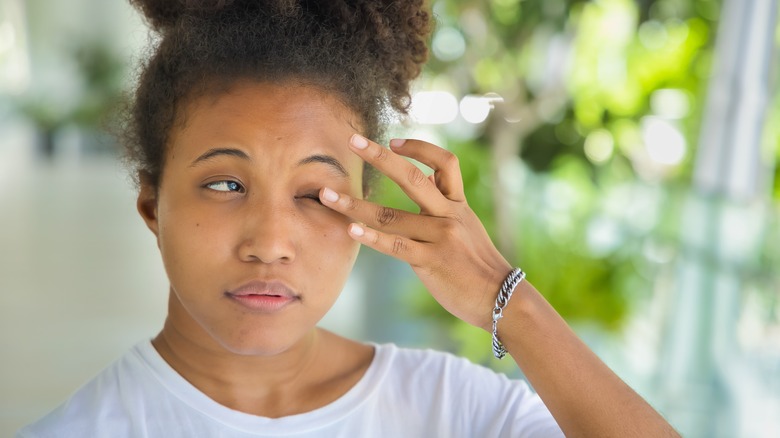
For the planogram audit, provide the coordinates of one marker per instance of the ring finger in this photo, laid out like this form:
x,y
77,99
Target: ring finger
x,y
390,220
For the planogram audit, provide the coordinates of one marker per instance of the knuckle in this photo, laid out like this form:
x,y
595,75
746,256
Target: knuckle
x,y
455,219
386,216
380,154
416,177
452,227
350,204
451,160
399,246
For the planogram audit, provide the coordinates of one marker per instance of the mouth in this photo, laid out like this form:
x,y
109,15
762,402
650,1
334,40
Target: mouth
x,y
264,297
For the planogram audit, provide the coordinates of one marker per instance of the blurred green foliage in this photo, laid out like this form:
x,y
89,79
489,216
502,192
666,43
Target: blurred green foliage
x,y
560,172
100,74
98,80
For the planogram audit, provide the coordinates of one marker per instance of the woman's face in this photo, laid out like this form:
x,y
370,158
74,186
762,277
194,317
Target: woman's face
x,y
254,260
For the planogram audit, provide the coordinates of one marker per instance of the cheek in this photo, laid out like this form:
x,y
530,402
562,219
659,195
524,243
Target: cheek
x,y
191,235
339,240
331,263
335,247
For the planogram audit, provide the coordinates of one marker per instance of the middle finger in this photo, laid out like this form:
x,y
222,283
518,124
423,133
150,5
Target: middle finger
x,y
409,177
390,220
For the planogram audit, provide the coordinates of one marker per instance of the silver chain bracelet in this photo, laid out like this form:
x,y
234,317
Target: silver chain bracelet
x,y
512,280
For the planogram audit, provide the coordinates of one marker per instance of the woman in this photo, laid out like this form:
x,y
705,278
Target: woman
x,y
253,135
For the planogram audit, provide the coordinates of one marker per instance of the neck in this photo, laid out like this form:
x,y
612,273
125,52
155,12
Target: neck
x,y
270,386
217,363
315,370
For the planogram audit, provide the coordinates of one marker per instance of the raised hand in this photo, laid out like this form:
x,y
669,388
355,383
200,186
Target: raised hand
x,y
452,254
445,243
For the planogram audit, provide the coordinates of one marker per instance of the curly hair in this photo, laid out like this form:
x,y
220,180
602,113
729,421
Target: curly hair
x,y
364,52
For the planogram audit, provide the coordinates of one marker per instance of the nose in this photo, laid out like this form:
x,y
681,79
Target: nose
x,y
268,235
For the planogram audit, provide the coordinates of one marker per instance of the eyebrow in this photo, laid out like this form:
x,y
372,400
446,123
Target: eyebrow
x,y
326,159
317,158
211,153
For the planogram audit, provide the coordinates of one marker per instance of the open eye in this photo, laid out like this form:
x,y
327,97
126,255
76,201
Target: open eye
x,y
225,186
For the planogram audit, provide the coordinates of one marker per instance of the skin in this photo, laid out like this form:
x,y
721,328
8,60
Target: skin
x,y
238,202
450,251
263,362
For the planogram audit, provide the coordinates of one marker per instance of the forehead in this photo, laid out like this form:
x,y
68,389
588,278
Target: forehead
x,y
254,114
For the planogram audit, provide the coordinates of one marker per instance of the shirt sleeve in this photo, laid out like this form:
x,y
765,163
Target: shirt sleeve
x,y
496,405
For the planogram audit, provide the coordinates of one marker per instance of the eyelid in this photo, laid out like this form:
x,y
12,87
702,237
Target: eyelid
x,y
227,182
315,196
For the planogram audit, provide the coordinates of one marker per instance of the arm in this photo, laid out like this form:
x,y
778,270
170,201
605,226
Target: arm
x,y
583,394
450,251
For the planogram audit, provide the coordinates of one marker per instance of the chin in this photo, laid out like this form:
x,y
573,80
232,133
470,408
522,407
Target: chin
x,y
261,343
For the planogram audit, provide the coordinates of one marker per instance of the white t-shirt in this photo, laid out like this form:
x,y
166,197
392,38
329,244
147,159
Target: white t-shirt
x,y
404,393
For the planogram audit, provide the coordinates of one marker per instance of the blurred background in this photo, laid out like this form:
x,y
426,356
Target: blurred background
x,y
624,153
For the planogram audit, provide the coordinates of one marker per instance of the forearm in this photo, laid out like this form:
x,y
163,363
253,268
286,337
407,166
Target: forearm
x,y
583,394
452,254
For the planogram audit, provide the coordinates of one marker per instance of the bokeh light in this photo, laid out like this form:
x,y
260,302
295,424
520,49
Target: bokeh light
x,y
664,142
448,44
434,107
599,146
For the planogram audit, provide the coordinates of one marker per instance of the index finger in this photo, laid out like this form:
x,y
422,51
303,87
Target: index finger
x,y
445,164
409,177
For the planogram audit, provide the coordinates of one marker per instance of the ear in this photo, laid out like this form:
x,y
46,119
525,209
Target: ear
x,y
147,203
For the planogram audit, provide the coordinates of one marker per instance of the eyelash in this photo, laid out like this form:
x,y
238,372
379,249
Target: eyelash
x,y
240,189
315,197
227,183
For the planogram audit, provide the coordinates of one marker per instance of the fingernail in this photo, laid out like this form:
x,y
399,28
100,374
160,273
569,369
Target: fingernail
x,y
359,141
397,142
357,230
329,195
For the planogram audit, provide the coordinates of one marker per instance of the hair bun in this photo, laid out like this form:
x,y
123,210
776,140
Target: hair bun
x,y
164,14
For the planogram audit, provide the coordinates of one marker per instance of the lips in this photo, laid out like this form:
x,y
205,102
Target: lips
x,y
262,296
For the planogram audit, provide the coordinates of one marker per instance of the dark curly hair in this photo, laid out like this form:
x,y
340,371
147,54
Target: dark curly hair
x,y
365,52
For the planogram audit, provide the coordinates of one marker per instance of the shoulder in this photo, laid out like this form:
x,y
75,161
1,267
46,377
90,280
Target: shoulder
x,y
463,396
412,361
98,405
442,371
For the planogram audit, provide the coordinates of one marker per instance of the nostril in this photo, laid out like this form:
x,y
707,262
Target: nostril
x,y
273,249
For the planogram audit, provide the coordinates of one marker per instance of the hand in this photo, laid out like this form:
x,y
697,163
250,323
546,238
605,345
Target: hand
x,y
446,244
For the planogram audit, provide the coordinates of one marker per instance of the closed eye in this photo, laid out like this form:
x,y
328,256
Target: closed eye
x,y
225,186
313,196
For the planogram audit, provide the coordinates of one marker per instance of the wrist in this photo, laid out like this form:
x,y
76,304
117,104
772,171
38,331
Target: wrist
x,y
508,287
